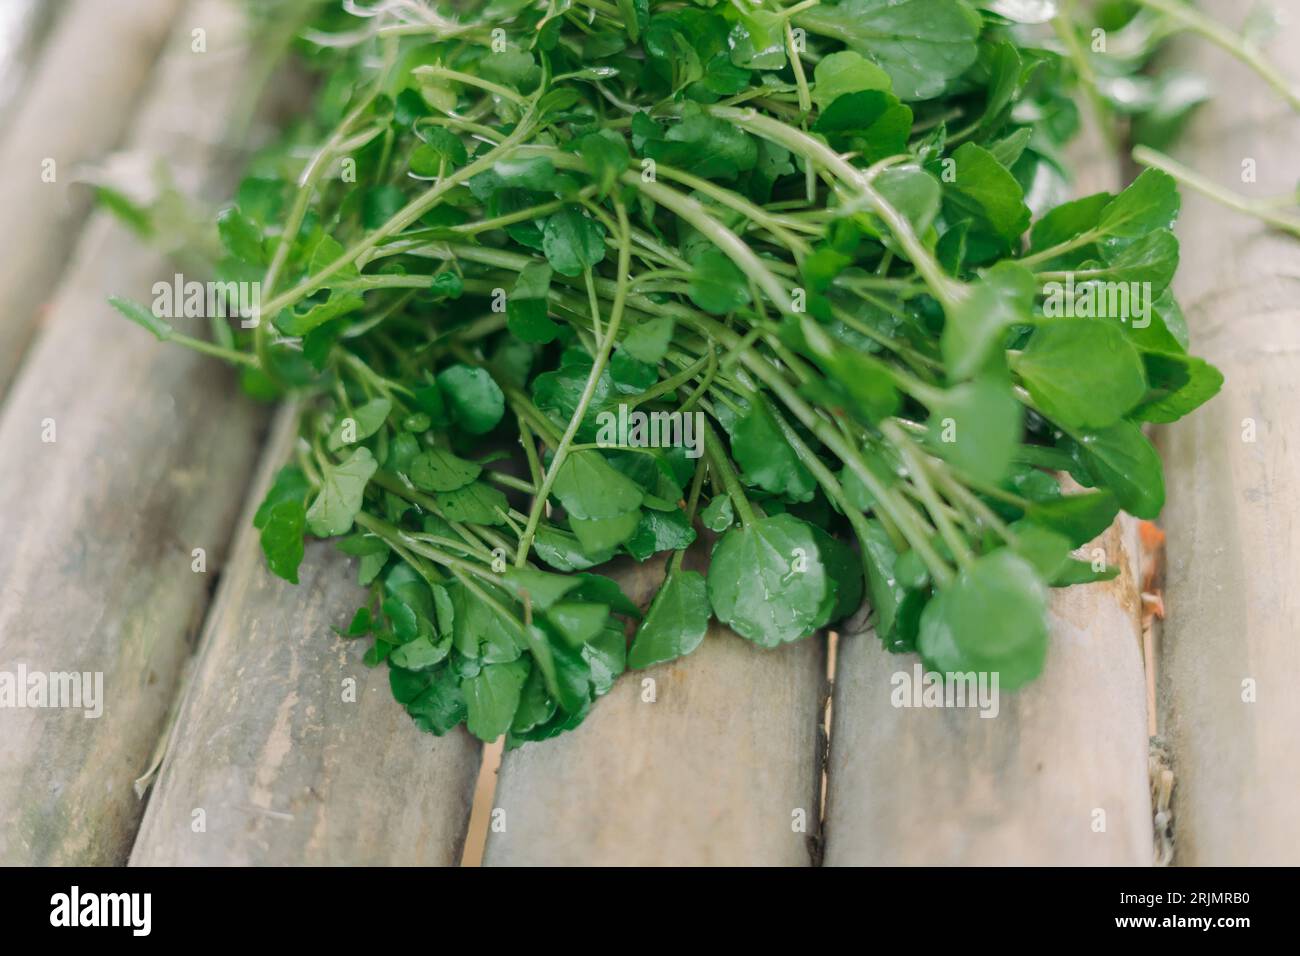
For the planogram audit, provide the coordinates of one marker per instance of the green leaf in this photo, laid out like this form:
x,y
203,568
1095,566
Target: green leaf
x,y
475,400
407,685
766,459
478,629
589,487
991,619
699,144
527,307
845,72
844,571
605,155
676,622
241,237
572,242
422,653
1048,551
290,484
883,586
475,503
428,398
1152,259
492,697
861,382
606,657
440,470
1075,571
872,123
1010,148
440,706
564,552
922,44
1004,79
766,580
977,325
1149,203
281,537
977,426
359,625
984,191
720,514
1162,329
601,534
660,531
1179,384
603,590
577,622
757,42
380,204
342,488
364,421
329,303
564,671
1079,518
540,588
536,706
1081,373
1123,458
716,285
447,284
648,340
914,193
1067,221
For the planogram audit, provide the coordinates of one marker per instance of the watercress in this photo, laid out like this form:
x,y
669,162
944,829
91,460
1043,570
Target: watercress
x,y
827,229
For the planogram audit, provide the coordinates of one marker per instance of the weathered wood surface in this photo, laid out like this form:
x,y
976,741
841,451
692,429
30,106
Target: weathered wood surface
x,y
24,25
1064,756
720,769
294,751
1233,578
949,787
77,102
151,459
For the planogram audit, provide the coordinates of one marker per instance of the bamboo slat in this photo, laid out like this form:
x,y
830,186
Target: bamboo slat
x,y
80,97
713,763
287,750
1059,776
123,456
1230,652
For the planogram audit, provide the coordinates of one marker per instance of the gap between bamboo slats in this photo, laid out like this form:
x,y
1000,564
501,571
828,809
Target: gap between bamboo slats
x,y
289,751
122,456
76,103
1230,654
1059,776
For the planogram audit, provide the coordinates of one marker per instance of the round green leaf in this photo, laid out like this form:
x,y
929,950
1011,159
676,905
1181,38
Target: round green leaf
x,y
572,242
475,400
1081,373
992,618
676,623
767,581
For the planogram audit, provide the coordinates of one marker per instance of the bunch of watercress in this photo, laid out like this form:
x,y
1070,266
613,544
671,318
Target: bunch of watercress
x,y
830,229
